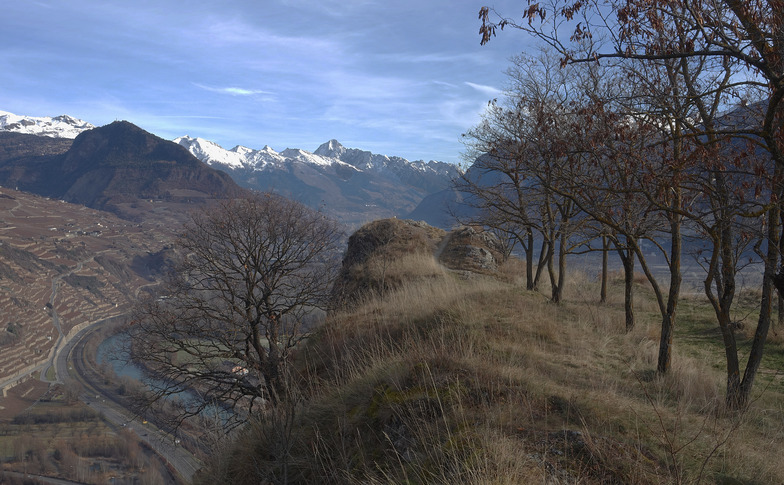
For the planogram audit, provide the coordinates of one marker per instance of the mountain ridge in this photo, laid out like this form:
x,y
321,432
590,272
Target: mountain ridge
x,y
351,184
356,185
115,167
63,126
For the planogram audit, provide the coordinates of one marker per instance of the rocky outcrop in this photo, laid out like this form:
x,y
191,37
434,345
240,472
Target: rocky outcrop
x,y
470,248
370,263
373,248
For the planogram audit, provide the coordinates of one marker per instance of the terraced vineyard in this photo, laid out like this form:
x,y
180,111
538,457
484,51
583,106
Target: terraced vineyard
x,y
63,266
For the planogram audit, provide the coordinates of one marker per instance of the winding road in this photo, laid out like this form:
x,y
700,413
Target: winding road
x,y
72,359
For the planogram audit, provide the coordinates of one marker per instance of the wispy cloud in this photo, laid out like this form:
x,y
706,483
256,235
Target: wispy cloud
x,y
279,72
488,90
332,8
476,58
443,83
237,32
233,90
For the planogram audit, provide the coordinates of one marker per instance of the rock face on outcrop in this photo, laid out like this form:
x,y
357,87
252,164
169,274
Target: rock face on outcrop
x,y
471,249
373,264
371,251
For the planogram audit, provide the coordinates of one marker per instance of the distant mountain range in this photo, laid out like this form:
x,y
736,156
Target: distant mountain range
x,y
356,185
353,185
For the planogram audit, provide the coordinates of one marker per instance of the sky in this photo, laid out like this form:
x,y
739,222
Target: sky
x,y
396,77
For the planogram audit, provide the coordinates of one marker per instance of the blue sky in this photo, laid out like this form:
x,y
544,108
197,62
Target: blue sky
x,y
397,77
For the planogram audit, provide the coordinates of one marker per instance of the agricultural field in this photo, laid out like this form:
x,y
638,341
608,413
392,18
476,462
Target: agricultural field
x,y
60,436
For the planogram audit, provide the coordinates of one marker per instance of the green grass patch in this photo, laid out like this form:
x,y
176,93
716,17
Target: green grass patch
x,y
50,374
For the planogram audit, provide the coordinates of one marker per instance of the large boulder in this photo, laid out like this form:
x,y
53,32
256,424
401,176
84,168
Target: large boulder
x,y
472,249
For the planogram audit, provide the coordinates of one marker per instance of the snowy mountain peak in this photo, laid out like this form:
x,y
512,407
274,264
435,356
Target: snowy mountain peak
x,y
307,157
62,126
242,150
331,153
332,149
210,152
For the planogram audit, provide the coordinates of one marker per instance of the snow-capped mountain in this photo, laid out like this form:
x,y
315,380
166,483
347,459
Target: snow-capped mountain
x,y
329,153
63,126
354,184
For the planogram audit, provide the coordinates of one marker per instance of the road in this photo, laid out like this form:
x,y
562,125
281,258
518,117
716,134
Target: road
x,y
72,358
67,358
44,367
40,478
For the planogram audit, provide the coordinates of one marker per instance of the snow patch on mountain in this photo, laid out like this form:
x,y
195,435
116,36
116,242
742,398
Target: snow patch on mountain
x,y
210,152
365,160
308,157
241,157
332,149
62,126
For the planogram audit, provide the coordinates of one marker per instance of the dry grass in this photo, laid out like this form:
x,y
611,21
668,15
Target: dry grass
x,y
447,380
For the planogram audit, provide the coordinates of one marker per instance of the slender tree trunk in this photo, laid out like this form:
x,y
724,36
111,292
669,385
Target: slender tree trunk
x,y
561,267
529,261
722,300
673,296
551,269
780,306
273,379
780,313
628,289
730,350
551,273
763,324
603,292
544,254
627,256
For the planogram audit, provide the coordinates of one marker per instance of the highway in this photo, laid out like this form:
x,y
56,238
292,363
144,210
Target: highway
x,y
72,358
68,358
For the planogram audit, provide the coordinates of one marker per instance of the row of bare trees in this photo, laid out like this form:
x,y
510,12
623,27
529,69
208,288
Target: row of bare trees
x,y
656,122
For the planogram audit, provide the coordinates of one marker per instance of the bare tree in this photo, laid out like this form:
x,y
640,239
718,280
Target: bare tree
x,y
519,151
724,53
253,274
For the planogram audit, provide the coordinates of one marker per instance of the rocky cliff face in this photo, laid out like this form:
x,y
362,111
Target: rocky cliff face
x,y
471,249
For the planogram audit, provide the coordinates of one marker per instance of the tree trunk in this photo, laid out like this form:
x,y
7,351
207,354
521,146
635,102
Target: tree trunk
x,y
763,324
551,270
780,306
668,318
780,312
628,290
561,268
731,352
627,259
529,261
603,292
273,380
544,254
722,303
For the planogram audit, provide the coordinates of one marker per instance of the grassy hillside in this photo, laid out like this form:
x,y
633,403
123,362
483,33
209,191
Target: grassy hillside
x,y
445,378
